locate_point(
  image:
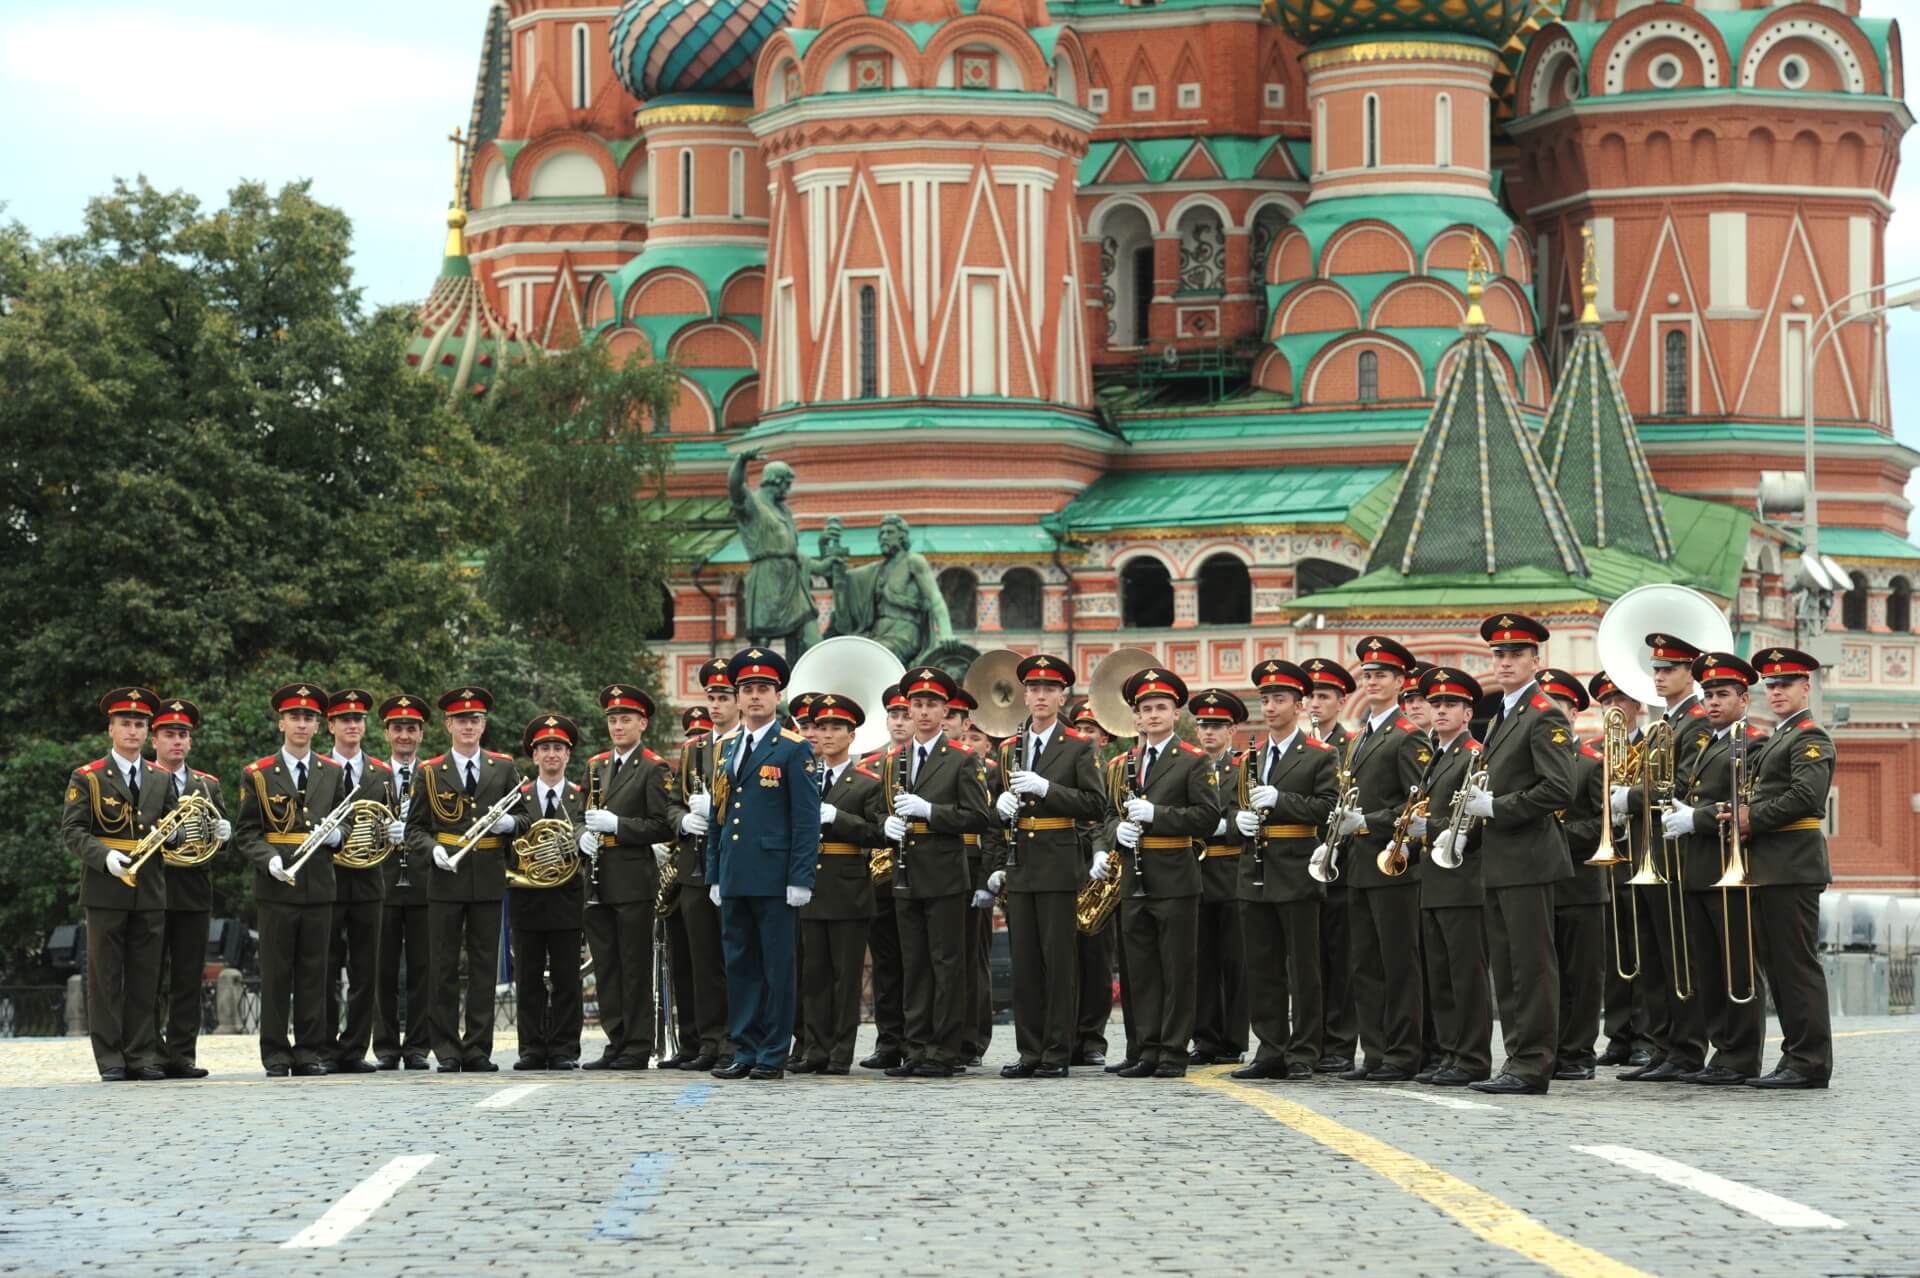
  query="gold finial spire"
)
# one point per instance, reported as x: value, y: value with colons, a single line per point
x: 1589, y: 277
x: 457, y: 210
x: 1476, y: 284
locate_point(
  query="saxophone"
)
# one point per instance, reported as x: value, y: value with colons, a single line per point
x: 880, y: 865
x: 1100, y: 897
x: 1324, y: 864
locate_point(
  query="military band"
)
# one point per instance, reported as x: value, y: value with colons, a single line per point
x: 404, y: 968
x: 835, y: 921
x: 1453, y: 928
x: 545, y: 918
x: 693, y: 923
x: 1579, y: 902
x: 353, y: 936
x: 1220, y: 1015
x: 183, y: 947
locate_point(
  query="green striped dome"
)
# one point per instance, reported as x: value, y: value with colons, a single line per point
x: 1315, y: 20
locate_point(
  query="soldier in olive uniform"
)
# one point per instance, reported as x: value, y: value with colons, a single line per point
x: 933, y: 792
x: 883, y: 933
x: 1386, y: 762
x: 404, y: 966
x: 354, y: 935
x: 111, y: 803
x: 545, y: 921
x: 1786, y: 839
x: 1220, y: 1017
x: 282, y: 798
x: 189, y: 894
x: 693, y: 928
x: 1703, y: 795
x: 452, y: 793
x: 1524, y: 853
x: 1095, y: 952
x: 1623, y: 1007
x: 1162, y: 797
x: 1453, y: 931
x: 835, y: 920
x: 1052, y: 785
x: 1329, y: 684
x: 984, y: 847
x: 634, y: 806
x: 1579, y: 902
x: 1290, y: 787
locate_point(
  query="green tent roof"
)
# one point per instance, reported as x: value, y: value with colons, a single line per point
x: 1226, y: 498
x: 1594, y: 457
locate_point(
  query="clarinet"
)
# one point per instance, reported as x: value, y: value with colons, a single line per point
x: 593, y: 870
x: 1128, y: 788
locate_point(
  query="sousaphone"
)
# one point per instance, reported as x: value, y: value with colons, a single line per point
x: 851, y: 666
x: 1621, y: 642
x: 1104, y: 696
x: 994, y: 681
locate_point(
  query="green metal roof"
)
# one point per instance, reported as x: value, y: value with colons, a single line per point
x: 1236, y: 155
x: 1691, y: 432
x: 939, y: 541
x: 1418, y: 217
x: 1594, y: 457
x: 1865, y: 543
x: 885, y: 416
x: 712, y: 264
x: 1224, y: 498
x: 1270, y: 421
x: 701, y: 525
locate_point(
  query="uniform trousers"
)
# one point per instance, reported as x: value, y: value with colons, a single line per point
x: 546, y: 983
x: 1093, y: 1003
x: 405, y: 969
x: 1454, y: 946
x: 1220, y: 1014
x: 889, y: 981
x: 932, y: 945
x: 757, y: 936
x: 1526, y: 977
x: 830, y: 1001
x: 1158, y: 935
x: 470, y: 929
x: 353, y: 942
x: 1341, y: 1038
x: 123, y: 986
x: 1786, y: 932
x: 621, y: 940
x: 1579, y: 943
x: 1284, y: 990
x: 293, y: 981
x: 1736, y: 1031
x: 1382, y: 926
x: 1046, y: 974
x: 183, y: 949
x: 699, y: 974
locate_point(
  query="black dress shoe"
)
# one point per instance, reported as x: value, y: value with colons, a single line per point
x: 1019, y: 1069
x: 1665, y: 1072
x: 795, y: 1059
x: 530, y: 1062
x: 1785, y: 1079
x: 1121, y: 1066
x: 1640, y: 1057
x: 479, y: 1065
x: 975, y: 1061
x: 931, y: 1069
x: 703, y: 1062
x: 903, y: 1070
x: 564, y: 1063
x: 1139, y: 1069
x: 1355, y: 1074
x: 1635, y: 1075
x: 1426, y: 1075
x: 273, y: 1071
x: 627, y: 1062
x: 881, y: 1060
x: 766, y: 1073
x: 1717, y: 1076
x: 807, y: 1067
x: 416, y: 1062
x: 1332, y: 1065
x: 1509, y: 1085
x: 1297, y: 1073
x: 1389, y: 1074
x: 605, y: 1062
x: 1614, y: 1056
x: 1169, y: 1069
x: 1050, y: 1071
x: 115, y: 1074
x: 449, y: 1067
x: 1089, y: 1058
x: 184, y: 1071
x: 1201, y: 1058
x: 312, y: 1069
x: 359, y: 1065
x: 1572, y: 1073
x: 330, y: 1066
x: 733, y: 1070
x: 836, y: 1069
x: 389, y: 1062
x: 1261, y: 1069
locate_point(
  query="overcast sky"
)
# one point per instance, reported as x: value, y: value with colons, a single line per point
x: 360, y: 96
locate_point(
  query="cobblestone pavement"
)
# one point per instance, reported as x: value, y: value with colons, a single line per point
x: 604, y: 1174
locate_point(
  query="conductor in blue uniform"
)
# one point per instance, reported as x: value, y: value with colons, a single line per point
x: 762, y: 849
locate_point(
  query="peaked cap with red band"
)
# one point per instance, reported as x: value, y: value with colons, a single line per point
x: 831, y: 707
x: 467, y: 699
x: 892, y: 697
x: 624, y: 696
x: 716, y: 673
x: 1510, y: 628
x: 550, y: 727
x: 349, y: 701
x: 404, y: 706
x: 1671, y: 650
x: 1380, y: 651
x: 1601, y: 687
x: 757, y: 665
x: 1045, y: 668
x: 299, y: 696
x: 1779, y: 663
x: 1723, y: 667
x: 1442, y: 682
x: 1325, y: 673
x: 1558, y: 683
x: 1275, y: 673
x: 695, y: 719
x: 177, y: 712
x: 1154, y: 682
x: 1216, y: 705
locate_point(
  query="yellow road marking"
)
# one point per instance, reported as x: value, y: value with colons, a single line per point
x: 1480, y: 1212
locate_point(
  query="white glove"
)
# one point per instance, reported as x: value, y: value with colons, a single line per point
x: 661, y: 855
x: 1024, y: 782
x: 503, y: 826
x: 601, y: 821
x: 440, y: 858
x: 1442, y: 846
x: 1100, y: 860
x: 396, y: 831
x: 589, y: 843
x: 983, y: 900
x: 912, y: 807
x: 1677, y: 821
x: 1248, y: 823
x: 828, y: 813
x: 694, y: 823
x: 1263, y: 797
x: 117, y: 862
x: 1618, y: 801
x: 796, y: 896
x: 895, y: 828
x: 1416, y: 827
x: 338, y: 836
x: 996, y: 881
x: 1127, y: 834
x: 1007, y: 805
x: 276, y: 867
x: 223, y: 830
x: 1219, y: 827
x: 701, y: 804
x: 713, y: 894
x: 1140, y: 811
x: 1480, y: 804
x: 1349, y: 823
x: 173, y: 840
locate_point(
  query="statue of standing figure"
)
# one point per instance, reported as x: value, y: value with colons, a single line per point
x: 777, y: 604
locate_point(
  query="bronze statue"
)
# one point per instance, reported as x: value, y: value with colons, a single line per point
x: 776, y: 604
x: 895, y: 601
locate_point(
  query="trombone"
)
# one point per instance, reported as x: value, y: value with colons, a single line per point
x: 1657, y: 778
x: 1617, y: 760
x: 1733, y: 856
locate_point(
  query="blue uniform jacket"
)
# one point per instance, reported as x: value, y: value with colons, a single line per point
x: 765, y: 834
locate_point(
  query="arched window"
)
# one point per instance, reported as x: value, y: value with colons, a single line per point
x: 582, y: 68
x: 1146, y: 594
x: 686, y: 182
x: 737, y: 183
x: 1853, y: 604
x: 1371, y: 140
x: 869, y: 345
x: 1226, y: 592
x: 1676, y: 401
x: 1900, y: 605
x: 1310, y: 576
x: 1020, y: 600
x: 1443, y: 130
x: 663, y: 628
x: 1368, y: 377
x: 961, y: 590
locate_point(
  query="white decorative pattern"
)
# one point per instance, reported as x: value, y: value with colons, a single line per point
x: 1819, y: 33
x: 1616, y: 74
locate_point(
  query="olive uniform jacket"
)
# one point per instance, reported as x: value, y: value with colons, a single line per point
x: 1220, y: 857
x: 274, y: 818
x: 1447, y: 889
x: 1184, y: 791
x: 934, y: 855
x: 765, y: 835
x: 643, y: 799
x: 1307, y: 780
x: 842, y: 885
x: 1580, y: 824
x: 1530, y: 775
x: 1044, y: 851
x: 190, y: 887
x: 554, y: 909
x: 1793, y: 772
x: 1709, y: 785
x: 376, y: 783
x: 101, y: 817
x: 1386, y: 765
x: 418, y: 867
x: 442, y: 812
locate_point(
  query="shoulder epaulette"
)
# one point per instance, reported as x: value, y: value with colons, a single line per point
x: 987, y: 760
x: 206, y: 776
x: 965, y: 747
x: 893, y: 749
x: 651, y: 756
x: 1191, y: 748
x: 1539, y: 702
x: 1805, y: 724
x: 875, y: 757
x: 151, y: 765
x: 862, y: 770
x: 1755, y: 731
x: 1473, y: 746
x: 1075, y: 733
x: 604, y: 754
x: 1696, y: 711
x: 95, y: 766
x: 789, y: 734
x: 1405, y: 724
x: 258, y: 764
x: 573, y: 787
x: 435, y: 761
x: 495, y: 754
x: 324, y: 758
x: 376, y: 763
x: 1317, y: 743
x: 1589, y: 751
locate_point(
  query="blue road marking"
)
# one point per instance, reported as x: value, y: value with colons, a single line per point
x: 634, y: 1197
x: 696, y: 1094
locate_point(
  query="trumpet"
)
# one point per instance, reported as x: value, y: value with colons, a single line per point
x: 194, y: 809
x: 1459, y: 824
x: 321, y: 833
x: 1392, y: 860
x: 1324, y: 864
x: 479, y: 829
x: 1734, y: 855
x: 887, y: 862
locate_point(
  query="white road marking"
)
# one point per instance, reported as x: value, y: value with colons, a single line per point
x: 1447, y: 1102
x: 361, y: 1201
x: 508, y: 1095
x: 1771, y: 1208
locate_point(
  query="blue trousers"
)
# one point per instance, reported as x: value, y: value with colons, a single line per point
x: 756, y: 938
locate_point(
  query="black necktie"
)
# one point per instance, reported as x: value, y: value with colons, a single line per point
x: 347, y: 768
x: 1273, y: 761
x: 1146, y: 764
x: 176, y: 787
x: 746, y: 749
x: 614, y: 771
x: 300, y: 777
x: 473, y: 778
x: 133, y: 783
x: 553, y: 803
x: 920, y: 762
x: 1033, y: 753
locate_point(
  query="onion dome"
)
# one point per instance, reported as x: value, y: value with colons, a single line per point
x: 663, y: 47
x: 460, y: 338
x: 1313, y: 20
